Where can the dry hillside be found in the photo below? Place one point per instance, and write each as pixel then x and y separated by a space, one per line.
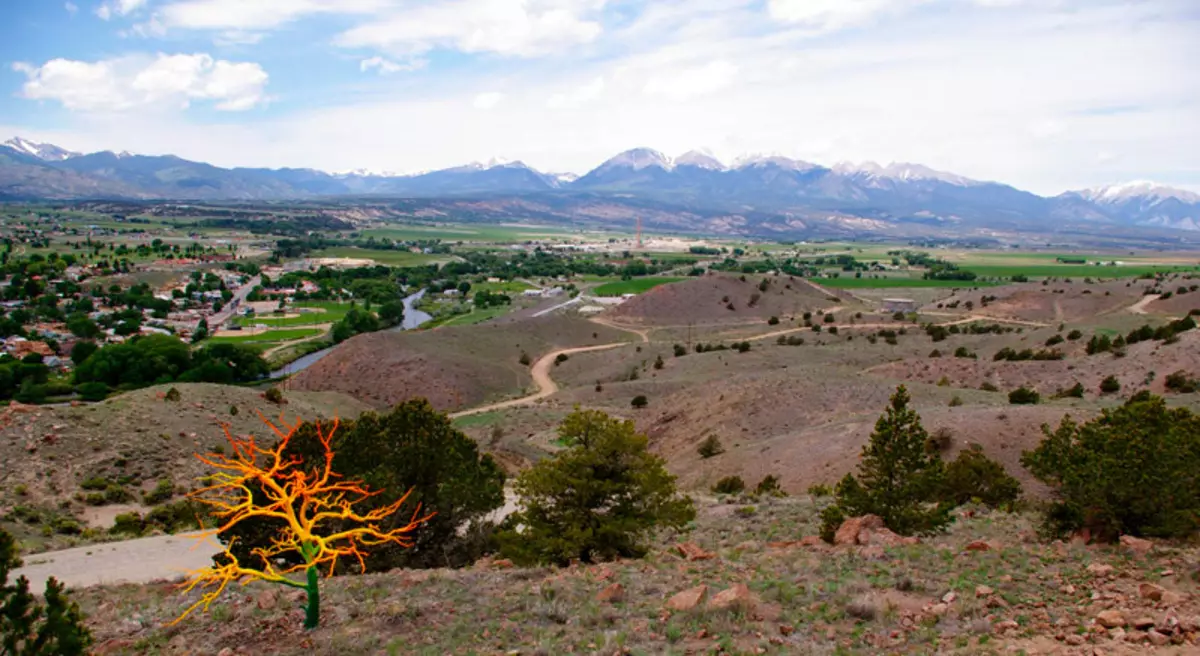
pixel 723 299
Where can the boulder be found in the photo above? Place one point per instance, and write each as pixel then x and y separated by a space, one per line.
pixel 1143 623
pixel 979 545
pixel 1151 591
pixel 692 551
pixel 848 532
pixel 687 599
pixel 983 591
pixel 1137 546
pixel 737 596
pixel 1110 619
pixel 1100 569
pixel 612 593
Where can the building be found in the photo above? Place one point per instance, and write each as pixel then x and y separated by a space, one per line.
pixel 893 305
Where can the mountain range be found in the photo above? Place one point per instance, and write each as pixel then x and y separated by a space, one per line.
pixel 796 193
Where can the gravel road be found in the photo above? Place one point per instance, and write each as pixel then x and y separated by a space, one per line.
pixel 132 561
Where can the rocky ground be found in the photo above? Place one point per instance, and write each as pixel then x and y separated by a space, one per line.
pixel 747 578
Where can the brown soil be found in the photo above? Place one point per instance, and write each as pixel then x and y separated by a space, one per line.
pixel 455 368
pixel 708 299
pixel 1053 302
pixel 138 436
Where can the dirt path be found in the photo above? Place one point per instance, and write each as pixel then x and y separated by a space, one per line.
pixel 541 378
pixel 132 561
pixel 324 327
pixel 643 333
pixel 1140 306
pixel 881 326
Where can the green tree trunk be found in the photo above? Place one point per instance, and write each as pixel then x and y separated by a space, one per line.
pixel 312 613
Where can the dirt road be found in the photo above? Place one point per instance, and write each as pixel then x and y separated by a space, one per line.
pixel 541 378
pixel 132 561
pixel 1140 306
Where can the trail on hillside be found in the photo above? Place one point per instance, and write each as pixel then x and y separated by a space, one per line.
pixel 131 561
pixel 1140 306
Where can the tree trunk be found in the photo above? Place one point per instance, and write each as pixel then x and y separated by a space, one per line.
pixel 312 613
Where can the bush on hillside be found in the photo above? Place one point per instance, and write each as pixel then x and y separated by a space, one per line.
pixel 1134 470
pixel 711 446
pixel 729 485
pixel 640 401
pixel 898 479
pixel 769 486
pixel 1024 396
pixel 29 626
pixel 598 500
pixel 1110 385
pixel 1181 382
pixel 974 476
pixel 1074 391
pixel 413 445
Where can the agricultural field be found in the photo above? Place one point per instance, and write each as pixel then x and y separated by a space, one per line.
pixel 634 286
pixel 466 233
pixel 897 282
pixel 323 312
pixel 281 335
pixel 384 257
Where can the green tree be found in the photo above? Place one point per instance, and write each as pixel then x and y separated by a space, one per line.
pixel 413 445
pixel 595 501
pixel 1132 470
pixel 29 628
pixel 898 479
pixel 974 476
pixel 201 331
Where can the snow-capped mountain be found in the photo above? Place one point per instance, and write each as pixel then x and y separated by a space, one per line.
pixel 899 171
pixel 1142 203
pixel 43 151
pixel 1141 190
pixel 700 159
pixel 761 161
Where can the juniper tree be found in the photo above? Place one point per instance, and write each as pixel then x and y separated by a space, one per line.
pixel 29 628
pixel 898 478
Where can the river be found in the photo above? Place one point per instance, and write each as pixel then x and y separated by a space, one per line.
pixel 413 318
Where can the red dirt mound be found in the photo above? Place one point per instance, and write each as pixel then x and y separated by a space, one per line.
pixel 723 299
pixel 1052 302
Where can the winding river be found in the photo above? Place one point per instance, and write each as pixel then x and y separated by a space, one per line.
pixel 413 318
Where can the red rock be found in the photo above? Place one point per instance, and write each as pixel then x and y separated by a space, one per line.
pixel 1099 569
pixel 885 537
pixel 1156 638
pixel 1006 625
pixel 612 593
pixel 847 534
pixel 687 599
pixel 692 551
pixel 267 599
pixel 983 591
pixel 503 563
pixel 786 629
pixel 736 596
pixel 1151 591
pixel 1143 623
pixel 1110 619
pixel 1138 546
pixel 979 545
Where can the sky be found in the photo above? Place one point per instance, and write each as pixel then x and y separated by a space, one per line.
pixel 1046 95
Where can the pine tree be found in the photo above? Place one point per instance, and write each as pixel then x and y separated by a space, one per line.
pixel 897 478
pixel 27 628
pixel 595 501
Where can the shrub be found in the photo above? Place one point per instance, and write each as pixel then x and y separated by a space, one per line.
pixel 1057 339
pixel 1024 396
pixel 1110 385
pixel 769 486
pixel 92 391
pixel 163 491
pixel 1074 335
pixel 524 359
pixel 640 401
pixel 730 485
pixel 935 353
pixel 955 401
pixel 711 446
pixel 172 395
pixel 1180 381
pixel 1075 391
pixel 561 358
pixel 819 490
pixel 897 478
pixel 1133 470
pixel 773 321
pixel 597 500
pixel 940 440
pixel 273 395
pixel 964 352
pixel 974 476
pixel 988 387
pixel 680 350
pixel 414 446
pixel 233 411
pixel 27 626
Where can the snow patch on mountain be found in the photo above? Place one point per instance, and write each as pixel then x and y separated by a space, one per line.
pixel 900 171
pixel 774 159
pixel 43 151
pixel 638 159
pixel 1144 190
pixel 700 159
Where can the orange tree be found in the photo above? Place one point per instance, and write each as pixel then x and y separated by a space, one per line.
pixel 307 501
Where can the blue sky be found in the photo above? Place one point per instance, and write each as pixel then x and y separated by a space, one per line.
pixel 1047 95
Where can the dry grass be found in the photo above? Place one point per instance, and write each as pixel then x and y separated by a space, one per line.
pixel 812 600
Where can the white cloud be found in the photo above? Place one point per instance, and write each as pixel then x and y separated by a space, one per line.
pixel 523 28
pixel 692 82
pixel 577 97
pixel 387 66
pixel 131 82
pixel 487 100
pixel 832 14
pixel 252 15
pixel 114 8
pixel 71 8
